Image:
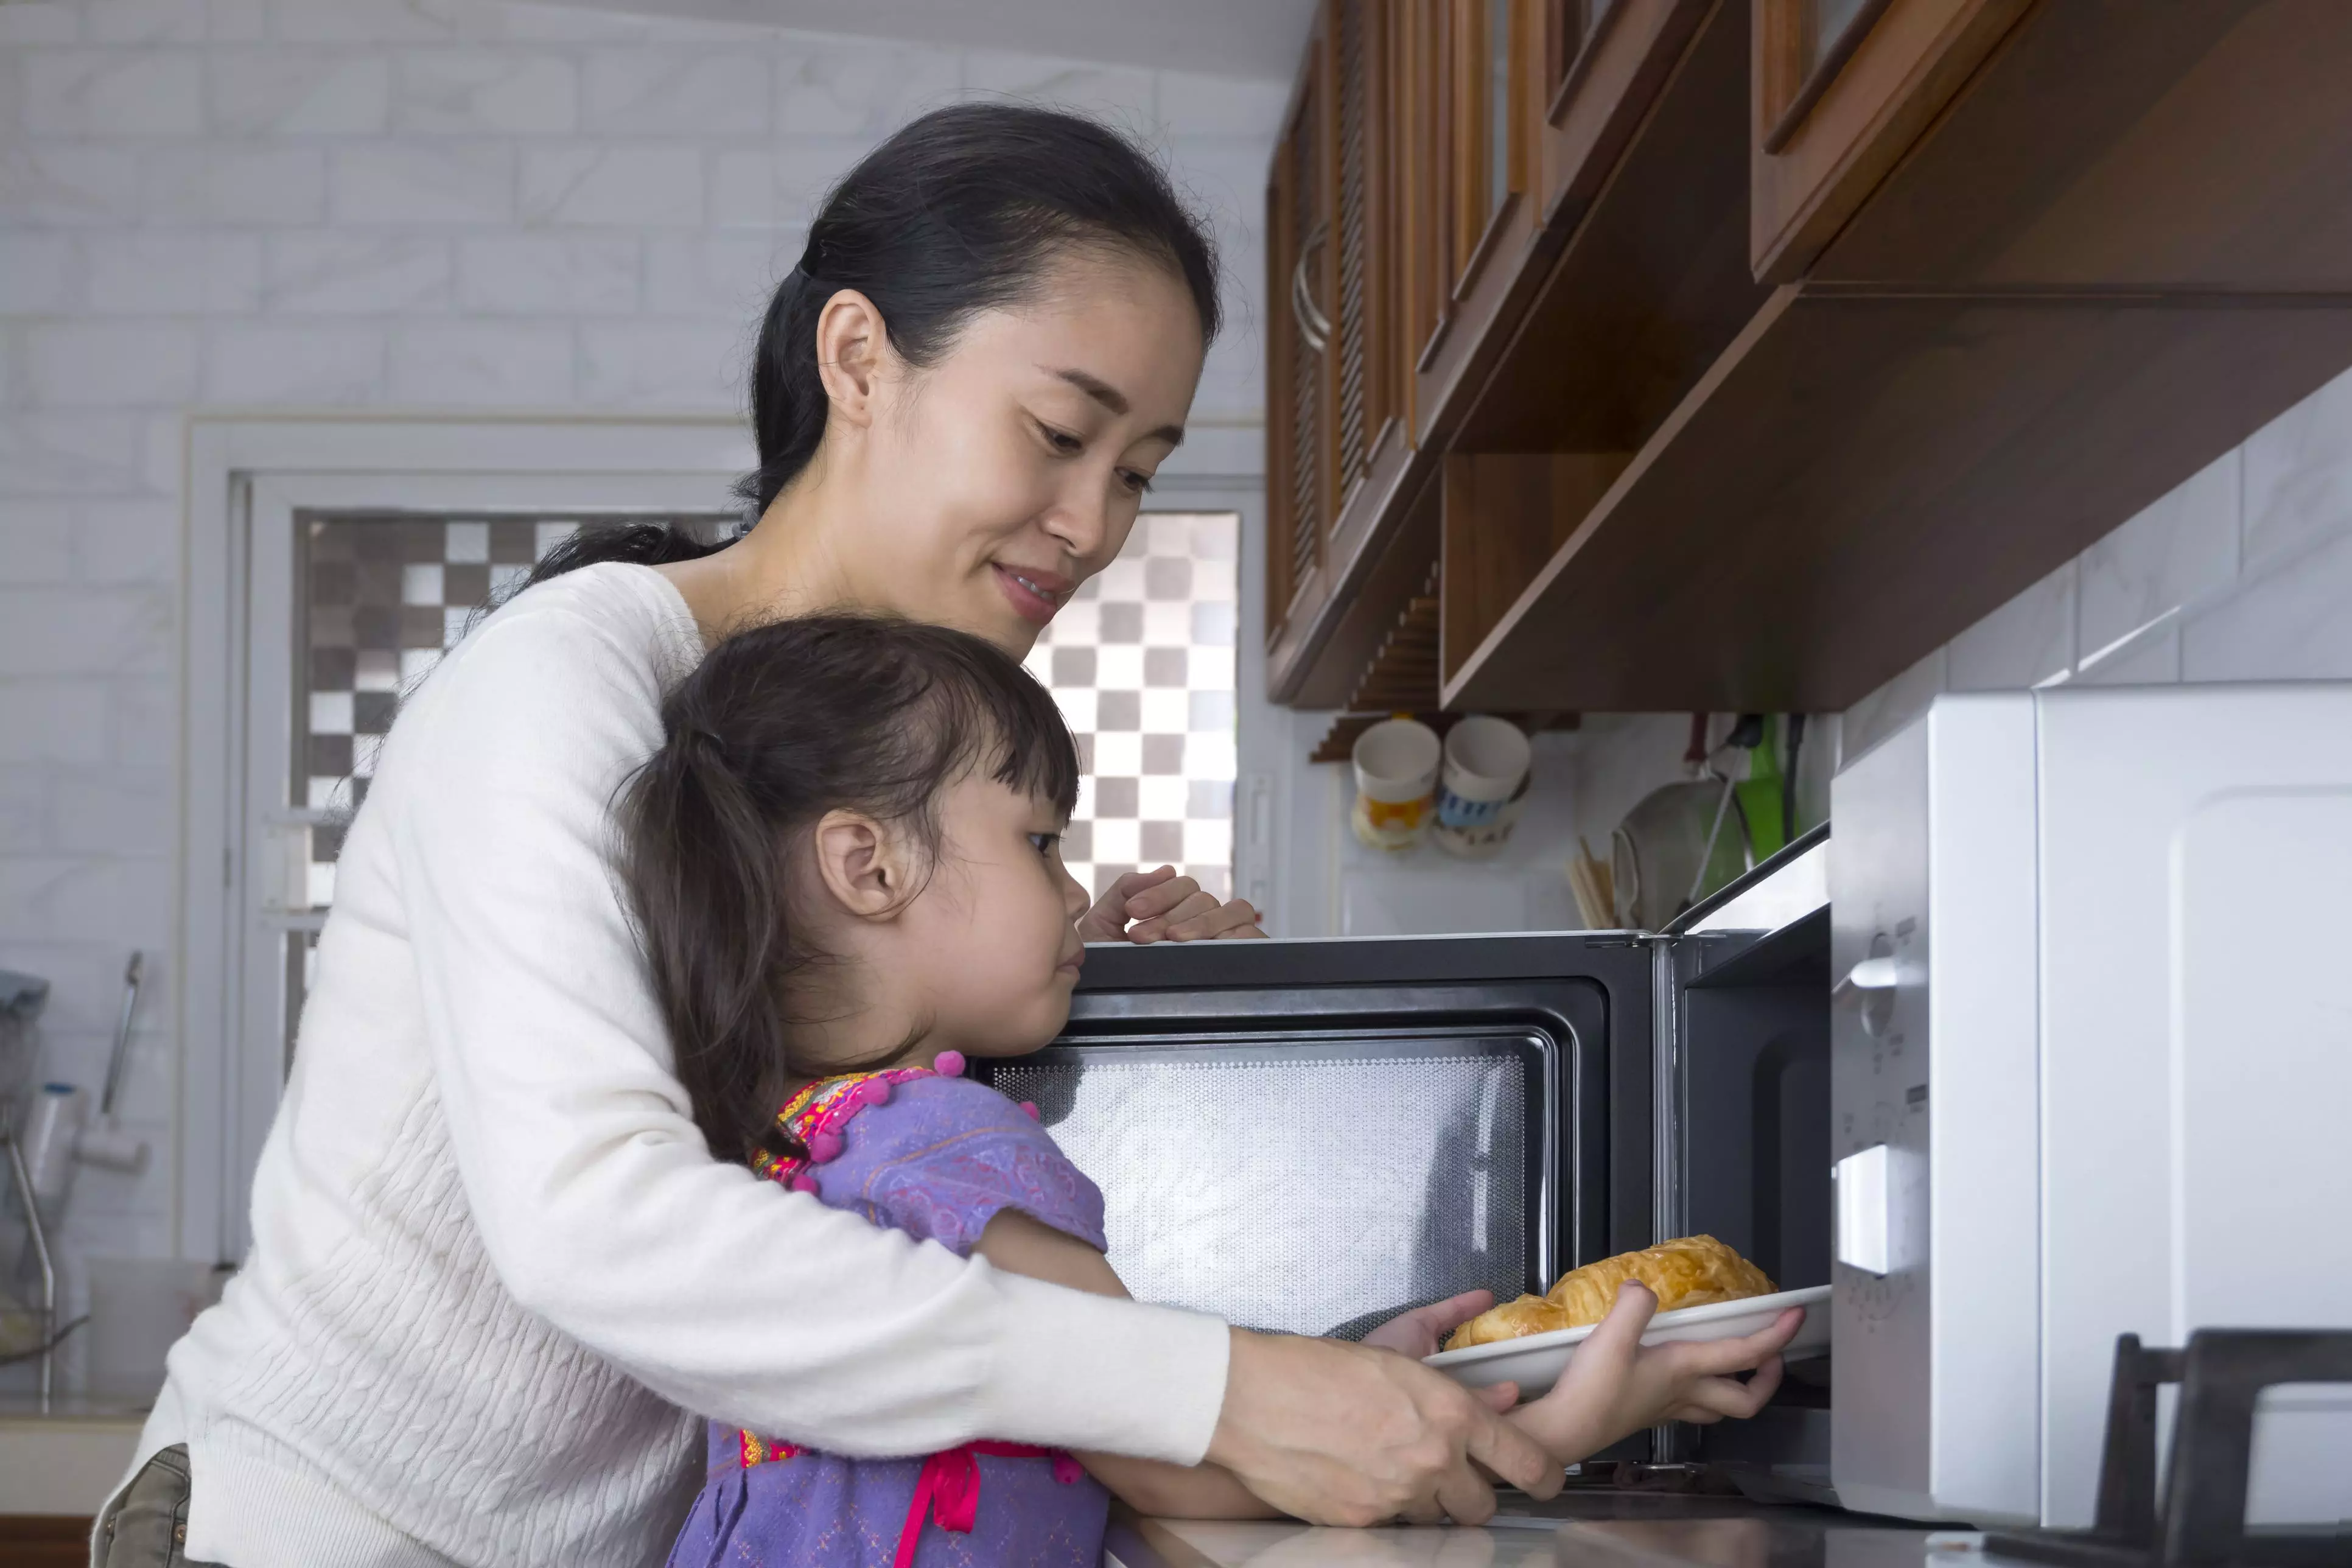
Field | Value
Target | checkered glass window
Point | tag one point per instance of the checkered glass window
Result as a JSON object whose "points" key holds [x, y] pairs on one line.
{"points": [[1142, 660]]}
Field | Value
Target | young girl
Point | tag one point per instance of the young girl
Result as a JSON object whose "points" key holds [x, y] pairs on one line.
{"points": [[845, 864]]}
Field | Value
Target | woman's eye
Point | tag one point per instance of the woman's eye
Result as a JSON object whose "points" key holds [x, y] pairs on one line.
{"points": [[1138, 484], [1062, 441]]}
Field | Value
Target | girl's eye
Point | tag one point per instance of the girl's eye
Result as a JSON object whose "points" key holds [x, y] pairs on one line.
{"points": [[1044, 843]]}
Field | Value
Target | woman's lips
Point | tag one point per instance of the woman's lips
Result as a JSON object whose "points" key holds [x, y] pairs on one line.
{"points": [[1034, 595]]}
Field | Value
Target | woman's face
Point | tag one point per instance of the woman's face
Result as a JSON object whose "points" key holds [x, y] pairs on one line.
{"points": [[996, 481]]}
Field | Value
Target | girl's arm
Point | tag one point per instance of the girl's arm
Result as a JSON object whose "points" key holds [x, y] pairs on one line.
{"points": [[1017, 1244]]}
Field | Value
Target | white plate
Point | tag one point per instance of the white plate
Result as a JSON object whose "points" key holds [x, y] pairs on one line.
{"points": [[1535, 1362]]}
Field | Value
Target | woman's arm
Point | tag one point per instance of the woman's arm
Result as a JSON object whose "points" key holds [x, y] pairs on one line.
{"points": [[1020, 1245], [594, 1194]]}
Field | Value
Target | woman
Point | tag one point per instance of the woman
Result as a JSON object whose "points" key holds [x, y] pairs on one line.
{"points": [[494, 1265]]}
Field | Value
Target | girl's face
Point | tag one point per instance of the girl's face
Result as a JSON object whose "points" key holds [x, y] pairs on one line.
{"points": [[992, 484], [988, 951]]}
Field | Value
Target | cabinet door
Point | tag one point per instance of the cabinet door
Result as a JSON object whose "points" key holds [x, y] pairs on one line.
{"points": [[1604, 63], [1298, 379], [1842, 88], [1364, 324]]}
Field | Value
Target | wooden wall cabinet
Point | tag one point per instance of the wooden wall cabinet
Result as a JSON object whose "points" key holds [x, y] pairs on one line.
{"points": [[1744, 350]]}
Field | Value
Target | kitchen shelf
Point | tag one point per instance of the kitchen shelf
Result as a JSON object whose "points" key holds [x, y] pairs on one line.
{"points": [[1863, 474]]}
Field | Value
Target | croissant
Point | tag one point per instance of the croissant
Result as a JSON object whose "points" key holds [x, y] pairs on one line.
{"points": [[1689, 1272]]}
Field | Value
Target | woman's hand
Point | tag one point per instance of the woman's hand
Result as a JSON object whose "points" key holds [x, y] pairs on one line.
{"points": [[1421, 1332], [1152, 906], [1341, 1434], [1615, 1385]]}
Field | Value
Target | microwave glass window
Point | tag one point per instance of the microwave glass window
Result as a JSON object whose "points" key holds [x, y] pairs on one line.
{"points": [[1142, 661], [1314, 1189]]}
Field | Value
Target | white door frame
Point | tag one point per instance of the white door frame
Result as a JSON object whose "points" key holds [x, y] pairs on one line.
{"points": [[246, 477]]}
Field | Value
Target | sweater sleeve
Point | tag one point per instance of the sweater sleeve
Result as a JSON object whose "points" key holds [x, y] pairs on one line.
{"points": [[595, 1197]]}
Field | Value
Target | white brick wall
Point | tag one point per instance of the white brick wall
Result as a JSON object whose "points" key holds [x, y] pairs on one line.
{"points": [[421, 204]]}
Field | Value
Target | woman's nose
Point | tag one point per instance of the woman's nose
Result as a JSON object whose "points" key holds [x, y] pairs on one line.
{"points": [[1080, 520]]}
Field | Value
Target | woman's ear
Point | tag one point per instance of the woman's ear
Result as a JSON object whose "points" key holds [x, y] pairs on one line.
{"points": [[864, 867], [852, 345]]}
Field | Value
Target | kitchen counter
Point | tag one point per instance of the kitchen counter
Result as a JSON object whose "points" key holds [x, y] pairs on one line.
{"points": [[1575, 1532], [66, 1464]]}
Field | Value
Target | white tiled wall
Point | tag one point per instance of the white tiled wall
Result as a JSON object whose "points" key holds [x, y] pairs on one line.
{"points": [[2243, 572], [380, 204]]}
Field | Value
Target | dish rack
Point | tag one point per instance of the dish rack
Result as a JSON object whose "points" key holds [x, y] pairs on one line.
{"points": [[22, 998]]}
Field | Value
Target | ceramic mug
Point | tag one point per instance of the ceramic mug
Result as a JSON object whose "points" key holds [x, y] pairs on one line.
{"points": [[1396, 783], [1486, 783]]}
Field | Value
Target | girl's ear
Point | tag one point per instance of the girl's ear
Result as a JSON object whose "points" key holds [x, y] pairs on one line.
{"points": [[863, 866], [852, 343]]}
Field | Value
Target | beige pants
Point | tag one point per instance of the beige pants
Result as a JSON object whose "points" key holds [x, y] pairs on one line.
{"points": [[146, 1525]]}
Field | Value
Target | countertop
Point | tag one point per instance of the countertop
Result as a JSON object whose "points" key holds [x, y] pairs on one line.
{"points": [[64, 1464], [1587, 1532]]}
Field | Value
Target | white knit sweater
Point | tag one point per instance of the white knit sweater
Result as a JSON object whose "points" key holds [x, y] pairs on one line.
{"points": [[494, 1266]]}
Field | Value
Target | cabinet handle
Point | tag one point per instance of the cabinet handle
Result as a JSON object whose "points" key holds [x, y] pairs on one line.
{"points": [[1313, 325]]}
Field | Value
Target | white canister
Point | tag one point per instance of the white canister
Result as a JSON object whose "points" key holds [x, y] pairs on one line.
{"points": [[1396, 783], [51, 1128], [1486, 783]]}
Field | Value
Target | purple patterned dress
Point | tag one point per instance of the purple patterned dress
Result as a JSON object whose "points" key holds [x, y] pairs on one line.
{"points": [[935, 1157]]}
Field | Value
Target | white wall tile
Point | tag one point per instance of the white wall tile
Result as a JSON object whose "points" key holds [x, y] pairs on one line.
{"points": [[36, 541], [276, 363], [299, 92], [2299, 474], [357, 275], [482, 91], [627, 186], [24, 810], [51, 721], [858, 90], [726, 276], [168, 273], [238, 21], [2289, 621], [2024, 643], [365, 21], [146, 21], [424, 183], [113, 812], [1120, 94], [2183, 546], [66, 187], [62, 899], [85, 631], [477, 364], [121, 541], [236, 185], [35, 273], [112, 93], [142, 721], [2150, 656], [1891, 706], [743, 190], [125, 365], [40, 22], [721, 91], [545, 275], [663, 365], [1220, 107], [70, 453]]}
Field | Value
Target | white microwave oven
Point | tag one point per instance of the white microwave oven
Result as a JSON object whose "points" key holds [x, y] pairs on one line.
{"points": [[2091, 1075]]}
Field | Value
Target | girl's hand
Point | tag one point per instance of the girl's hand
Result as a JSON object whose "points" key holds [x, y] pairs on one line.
{"points": [[1164, 905], [1421, 1332], [1615, 1385]]}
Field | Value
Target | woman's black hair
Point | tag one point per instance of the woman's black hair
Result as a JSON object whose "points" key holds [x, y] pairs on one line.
{"points": [[776, 727], [965, 209]]}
